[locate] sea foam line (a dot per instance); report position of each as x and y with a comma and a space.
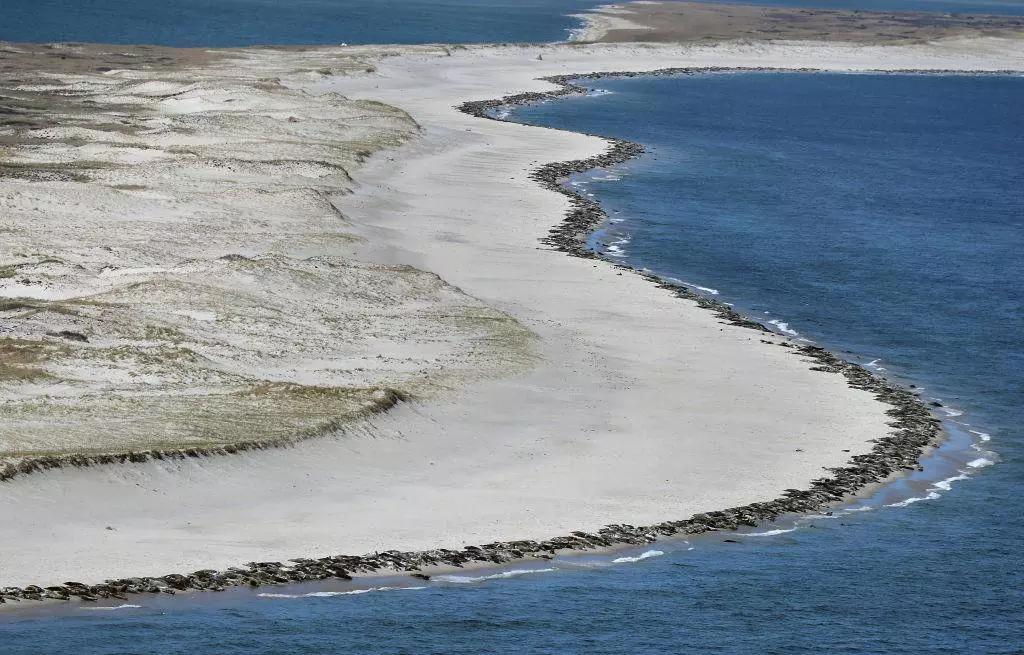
932, 495
642, 556
331, 594
783, 327
770, 533
675, 280
467, 579
946, 484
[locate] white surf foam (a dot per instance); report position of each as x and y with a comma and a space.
865, 508
875, 365
713, 292
947, 484
110, 609
330, 594
642, 556
982, 436
783, 327
932, 495
708, 290
769, 533
468, 579
981, 462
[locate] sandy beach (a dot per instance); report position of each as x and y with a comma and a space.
548, 393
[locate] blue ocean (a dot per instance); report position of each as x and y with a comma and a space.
231, 23
880, 216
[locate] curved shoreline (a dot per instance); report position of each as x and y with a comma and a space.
914, 431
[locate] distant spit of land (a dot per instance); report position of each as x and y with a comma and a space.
695, 21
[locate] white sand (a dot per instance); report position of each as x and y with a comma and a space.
193, 246
599, 21
639, 408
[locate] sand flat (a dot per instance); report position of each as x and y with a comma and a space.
636, 406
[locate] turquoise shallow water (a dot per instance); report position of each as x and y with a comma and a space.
877, 214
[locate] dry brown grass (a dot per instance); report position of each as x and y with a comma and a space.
17, 358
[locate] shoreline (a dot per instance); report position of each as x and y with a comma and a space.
916, 430
562, 561
586, 216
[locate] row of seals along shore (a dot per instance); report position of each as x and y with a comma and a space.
914, 429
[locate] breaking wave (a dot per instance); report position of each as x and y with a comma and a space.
642, 556
330, 594
468, 579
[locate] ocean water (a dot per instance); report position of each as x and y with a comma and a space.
876, 214
229, 23
880, 215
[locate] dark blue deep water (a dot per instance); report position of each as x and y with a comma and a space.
228, 23
882, 215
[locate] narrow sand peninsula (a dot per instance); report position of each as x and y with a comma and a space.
635, 406
676, 22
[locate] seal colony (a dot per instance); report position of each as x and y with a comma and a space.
914, 430
573, 409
